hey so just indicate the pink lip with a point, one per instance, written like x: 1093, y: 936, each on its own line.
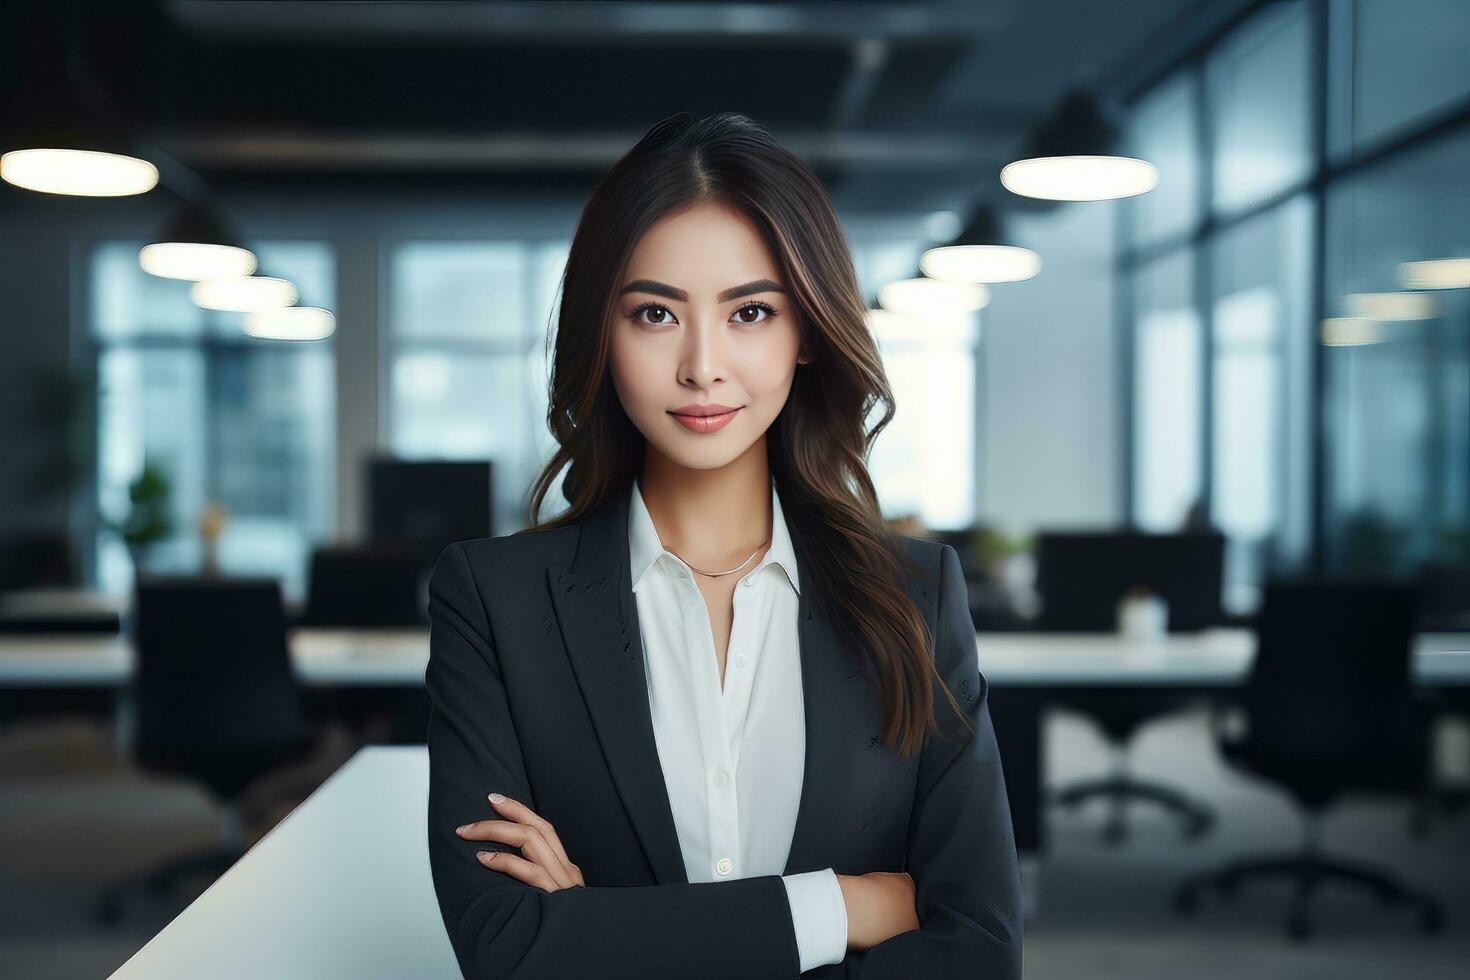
x: 694, y: 408
x: 705, y: 423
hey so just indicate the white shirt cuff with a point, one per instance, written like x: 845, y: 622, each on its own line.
x: 819, y: 915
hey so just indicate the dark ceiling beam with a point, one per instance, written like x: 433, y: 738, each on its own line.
x: 578, y: 22
x: 514, y: 151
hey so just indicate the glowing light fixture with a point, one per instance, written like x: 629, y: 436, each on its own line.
x: 64, y: 134
x: 1391, y: 306
x: 979, y: 253
x: 1080, y: 178
x: 1348, y: 331
x: 924, y: 297
x: 980, y: 263
x: 81, y: 173
x: 196, y: 246
x: 1435, y: 274
x: 1070, y: 157
x: 243, y: 294
x: 291, y: 323
x: 196, y: 260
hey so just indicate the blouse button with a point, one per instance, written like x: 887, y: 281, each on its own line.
x: 740, y: 660
x: 721, y: 777
x: 749, y: 582
x: 724, y: 865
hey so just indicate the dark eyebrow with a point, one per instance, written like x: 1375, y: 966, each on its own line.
x: 670, y: 292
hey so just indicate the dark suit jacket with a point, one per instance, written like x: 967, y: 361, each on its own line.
x: 537, y: 690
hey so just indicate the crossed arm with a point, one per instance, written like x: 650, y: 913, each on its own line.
x: 961, y: 850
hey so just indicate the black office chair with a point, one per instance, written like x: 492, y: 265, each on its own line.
x: 1081, y: 576
x: 352, y: 586
x: 33, y: 559
x: 215, y: 701
x: 1329, y: 709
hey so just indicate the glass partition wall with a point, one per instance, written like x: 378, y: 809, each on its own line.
x: 1298, y: 342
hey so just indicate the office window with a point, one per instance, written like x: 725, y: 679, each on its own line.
x: 1258, y: 87
x: 1398, y: 450
x: 1409, y: 64
x: 920, y: 467
x: 1261, y: 450
x: 1168, y: 388
x: 244, y: 423
x: 1163, y: 129
x: 465, y: 365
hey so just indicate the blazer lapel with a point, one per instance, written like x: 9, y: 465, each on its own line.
x: 598, y: 616
x: 599, y: 624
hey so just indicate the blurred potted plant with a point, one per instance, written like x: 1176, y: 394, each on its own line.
x: 994, y: 549
x: 147, y: 521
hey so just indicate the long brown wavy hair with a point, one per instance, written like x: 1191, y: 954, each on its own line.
x: 817, y: 446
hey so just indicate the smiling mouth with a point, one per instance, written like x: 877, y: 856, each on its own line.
x: 705, y: 423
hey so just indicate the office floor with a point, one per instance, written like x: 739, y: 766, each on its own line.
x: 72, y: 816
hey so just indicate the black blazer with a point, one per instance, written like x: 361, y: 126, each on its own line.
x: 537, y: 690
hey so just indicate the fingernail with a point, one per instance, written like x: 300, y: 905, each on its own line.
x: 486, y: 855
x: 460, y: 830
x: 496, y: 798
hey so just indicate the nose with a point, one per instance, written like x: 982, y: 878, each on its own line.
x: 702, y: 360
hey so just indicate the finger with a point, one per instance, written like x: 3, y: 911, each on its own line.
x: 518, y: 867
x: 503, y: 830
x: 533, y: 846
x: 518, y: 811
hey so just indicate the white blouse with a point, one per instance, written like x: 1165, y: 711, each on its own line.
x: 733, y: 757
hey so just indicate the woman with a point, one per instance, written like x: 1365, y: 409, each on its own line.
x: 715, y: 719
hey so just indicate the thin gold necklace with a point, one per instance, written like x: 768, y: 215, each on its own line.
x: 735, y: 569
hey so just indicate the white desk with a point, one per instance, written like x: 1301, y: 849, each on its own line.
x: 320, y: 658
x: 1209, y: 658
x: 340, y: 888
x: 397, y: 658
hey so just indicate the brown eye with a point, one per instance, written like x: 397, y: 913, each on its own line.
x: 753, y: 308
x: 662, y: 311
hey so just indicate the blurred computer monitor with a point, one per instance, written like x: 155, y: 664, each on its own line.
x: 1081, y: 576
x: 425, y: 505
x: 364, y: 585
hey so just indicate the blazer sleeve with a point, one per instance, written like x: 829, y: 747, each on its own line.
x: 962, y: 847
x: 501, y: 927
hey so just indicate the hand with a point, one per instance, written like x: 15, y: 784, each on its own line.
x: 544, y: 862
x: 880, y: 905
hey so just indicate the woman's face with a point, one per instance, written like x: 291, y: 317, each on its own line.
x: 703, y: 319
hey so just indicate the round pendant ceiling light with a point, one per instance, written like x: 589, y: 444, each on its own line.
x: 291, y: 323
x: 1071, y: 156
x: 243, y: 294
x: 196, y: 246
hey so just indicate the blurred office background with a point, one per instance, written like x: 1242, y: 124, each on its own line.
x: 1208, y: 468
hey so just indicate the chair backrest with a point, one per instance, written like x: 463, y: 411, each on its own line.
x: 213, y: 678
x: 365, y: 585
x: 1081, y: 576
x: 1331, y: 681
x: 37, y: 558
